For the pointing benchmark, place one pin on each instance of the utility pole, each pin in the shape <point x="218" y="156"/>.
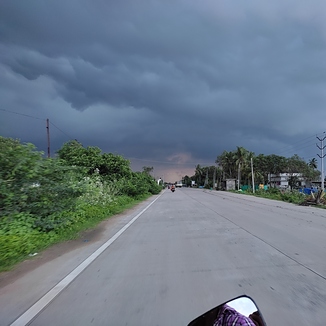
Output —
<point x="322" y="159"/>
<point x="48" y="134"/>
<point x="214" y="177"/>
<point x="252" y="176"/>
<point x="238" y="178"/>
<point x="206" y="179"/>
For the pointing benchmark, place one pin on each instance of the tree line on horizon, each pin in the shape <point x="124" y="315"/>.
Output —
<point x="236" y="164"/>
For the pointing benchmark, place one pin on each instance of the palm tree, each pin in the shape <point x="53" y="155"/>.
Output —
<point x="313" y="163"/>
<point x="311" y="173"/>
<point x="227" y="162"/>
<point x="198" y="174"/>
<point x="247" y="167"/>
<point x="206" y="178"/>
<point x="241" y="155"/>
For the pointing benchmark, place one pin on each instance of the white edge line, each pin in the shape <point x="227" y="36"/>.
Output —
<point x="34" y="310"/>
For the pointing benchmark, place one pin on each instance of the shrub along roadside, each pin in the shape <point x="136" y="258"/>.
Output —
<point x="44" y="201"/>
<point x="294" y="196"/>
<point x="20" y="242"/>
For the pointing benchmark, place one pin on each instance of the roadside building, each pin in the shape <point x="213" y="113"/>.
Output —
<point x="281" y="180"/>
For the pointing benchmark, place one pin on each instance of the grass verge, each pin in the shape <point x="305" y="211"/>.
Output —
<point x="18" y="247"/>
<point x="294" y="197"/>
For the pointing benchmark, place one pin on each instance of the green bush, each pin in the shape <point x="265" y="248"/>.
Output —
<point x="137" y="185"/>
<point x="98" y="191"/>
<point x="43" y="201"/>
<point x="33" y="186"/>
<point x="294" y="197"/>
<point x="274" y="193"/>
<point x="273" y="190"/>
<point x="14" y="247"/>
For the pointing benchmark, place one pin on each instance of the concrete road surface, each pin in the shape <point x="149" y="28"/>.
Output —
<point x="188" y="252"/>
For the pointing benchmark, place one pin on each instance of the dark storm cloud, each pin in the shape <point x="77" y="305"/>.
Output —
<point x="167" y="77"/>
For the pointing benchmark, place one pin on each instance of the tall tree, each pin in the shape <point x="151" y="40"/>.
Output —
<point x="206" y="178"/>
<point x="187" y="180"/>
<point x="115" y="166"/>
<point x="199" y="173"/>
<point x="247" y="175"/>
<point x="296" y="164"/>
<point x="275" y="165"/>
<point x="227" y="162"/>
<point x="313" y="163"/>
<point x="241" y="155"/>
<point x="73" y="153"/>
<point x="148" y="169"/>
<point x="91" y="158"/>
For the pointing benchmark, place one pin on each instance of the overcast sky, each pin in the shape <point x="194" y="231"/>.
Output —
<point x="164" y="83"/>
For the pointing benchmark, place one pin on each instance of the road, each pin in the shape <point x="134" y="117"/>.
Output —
<point x="188" y="252"/>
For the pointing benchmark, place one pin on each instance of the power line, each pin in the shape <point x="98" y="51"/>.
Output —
<point x="284" y="149"/>
<point x="25" y="115"/>
<point x="61" y="130"/>
<point x="301" y="144"/>
<point x="294" y="146"/>
<point x="37" y="118"/>
<point x="309" y="157"/>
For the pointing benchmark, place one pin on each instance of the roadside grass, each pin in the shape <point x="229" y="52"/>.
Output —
<point x="293" y="197"/>
<point x="15" y="248"/>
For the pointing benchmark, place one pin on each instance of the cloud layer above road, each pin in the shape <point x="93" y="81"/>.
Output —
<point x="166" y="83"/>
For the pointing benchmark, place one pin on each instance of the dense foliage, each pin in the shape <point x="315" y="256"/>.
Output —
<point x="42" y="200"/>
<point x="237" y="165"/>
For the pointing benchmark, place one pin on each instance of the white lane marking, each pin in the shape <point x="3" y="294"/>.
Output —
<point x="33" y="311"/>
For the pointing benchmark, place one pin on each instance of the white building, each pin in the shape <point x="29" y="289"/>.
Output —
<point x="280" y="180"/>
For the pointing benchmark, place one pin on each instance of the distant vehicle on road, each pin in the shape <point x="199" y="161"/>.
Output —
<point x="179" y="184"/>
